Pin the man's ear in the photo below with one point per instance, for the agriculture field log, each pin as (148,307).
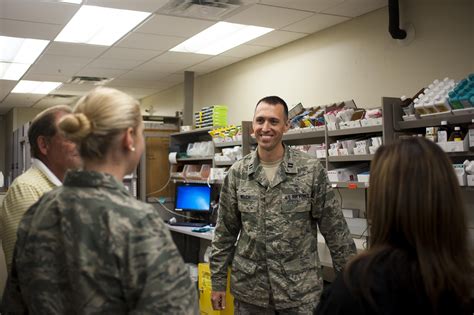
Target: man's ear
(43,145)
(287,125)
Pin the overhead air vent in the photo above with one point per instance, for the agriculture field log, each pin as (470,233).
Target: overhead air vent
(203,9)
(89,80)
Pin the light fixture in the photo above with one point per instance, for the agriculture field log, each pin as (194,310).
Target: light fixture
(35,87)
(100,26)
(220,37)
(17,54)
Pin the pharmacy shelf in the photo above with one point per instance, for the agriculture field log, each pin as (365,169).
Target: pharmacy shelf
(192,132)
(227,144)
(350,185)
(351,158)
(196,158)
(355,131)
(434,121)
(461,154)
(223,163)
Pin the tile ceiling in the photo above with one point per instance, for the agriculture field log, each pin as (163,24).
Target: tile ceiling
(140,63)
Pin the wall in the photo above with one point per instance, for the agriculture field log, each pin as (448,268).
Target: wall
(2,143)
(354,60)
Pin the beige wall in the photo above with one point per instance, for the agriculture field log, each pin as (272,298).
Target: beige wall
(2,143)
(354,60)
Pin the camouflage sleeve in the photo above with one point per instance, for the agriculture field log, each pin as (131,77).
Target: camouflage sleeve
(156,278)
(331,222)
(226,232)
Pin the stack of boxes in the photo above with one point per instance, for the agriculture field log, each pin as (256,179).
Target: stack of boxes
(211,116)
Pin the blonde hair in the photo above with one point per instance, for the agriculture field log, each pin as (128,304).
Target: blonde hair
(97,118)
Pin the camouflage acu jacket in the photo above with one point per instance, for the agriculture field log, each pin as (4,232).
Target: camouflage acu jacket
(278,223)
(89,247)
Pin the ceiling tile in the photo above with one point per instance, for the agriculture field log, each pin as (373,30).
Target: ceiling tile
(138,93)
(245,51)
(29,29)
(212,64)
(185,59)
(276,38)
(315,23)
(119,64)
(5,87)
(58,65)
(74,89)
(163,67)
(268,16)
(130,53)
(38,11)
(75,50)
(143,76)
(137,5)
(306,5)
(149,41)
(353,8)
(46,77)
(21,100)
(100,72)
(121,83)
(173,26)
(53,100)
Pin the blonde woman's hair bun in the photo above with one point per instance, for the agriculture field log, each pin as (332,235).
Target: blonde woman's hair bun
(76,126)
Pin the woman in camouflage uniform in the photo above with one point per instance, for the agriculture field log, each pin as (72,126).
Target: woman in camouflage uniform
(89,246)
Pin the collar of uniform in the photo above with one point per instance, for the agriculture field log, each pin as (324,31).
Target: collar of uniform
(92,179)
(287,162)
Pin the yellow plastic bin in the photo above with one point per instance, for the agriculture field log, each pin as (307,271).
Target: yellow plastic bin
(205,287)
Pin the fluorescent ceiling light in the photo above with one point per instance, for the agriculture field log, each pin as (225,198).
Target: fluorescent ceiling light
(100,26)
(220,37)
(21,50)
(12,71)
(35,87)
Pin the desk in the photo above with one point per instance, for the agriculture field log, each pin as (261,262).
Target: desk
(323,250)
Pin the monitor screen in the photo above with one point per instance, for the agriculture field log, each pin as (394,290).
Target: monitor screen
(193,197)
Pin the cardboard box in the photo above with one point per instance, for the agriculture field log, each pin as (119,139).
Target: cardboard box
(343,174)
(470,180)
(455,146)
(363,177)
(361,150)
(205,288)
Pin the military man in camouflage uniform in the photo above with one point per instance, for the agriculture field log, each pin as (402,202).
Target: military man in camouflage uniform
(277,199)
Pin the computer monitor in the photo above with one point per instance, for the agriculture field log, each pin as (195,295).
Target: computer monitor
(193,197)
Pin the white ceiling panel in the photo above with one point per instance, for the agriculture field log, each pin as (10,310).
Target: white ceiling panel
(21,100)
(38,11)
(315,23)
(100,72)
(182,27)
(130,53)
(137,5)
(138,93)
(150,41)
(29,29)
(74,89)
(143,76)
(118,64)
(353,8)
(164,67)
(268,16)
(58,65)
(174,78)
(75,50)
(276,38)
(185,59)
(245,51)
(306,5)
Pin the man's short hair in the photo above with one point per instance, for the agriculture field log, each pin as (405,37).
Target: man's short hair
(274,100)
(44,124)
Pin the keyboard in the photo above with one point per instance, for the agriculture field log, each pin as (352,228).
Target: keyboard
(189,224)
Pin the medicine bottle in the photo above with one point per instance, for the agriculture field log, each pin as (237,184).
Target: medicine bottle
(471,134)
(456,135)
(443,132)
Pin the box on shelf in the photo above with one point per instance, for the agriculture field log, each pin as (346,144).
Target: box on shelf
(455,146)
(349,124)
(363,177)
(361,150)
(346,174)
(333,126)
(371,122)
(470,180)
(321,154)
(460,173)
